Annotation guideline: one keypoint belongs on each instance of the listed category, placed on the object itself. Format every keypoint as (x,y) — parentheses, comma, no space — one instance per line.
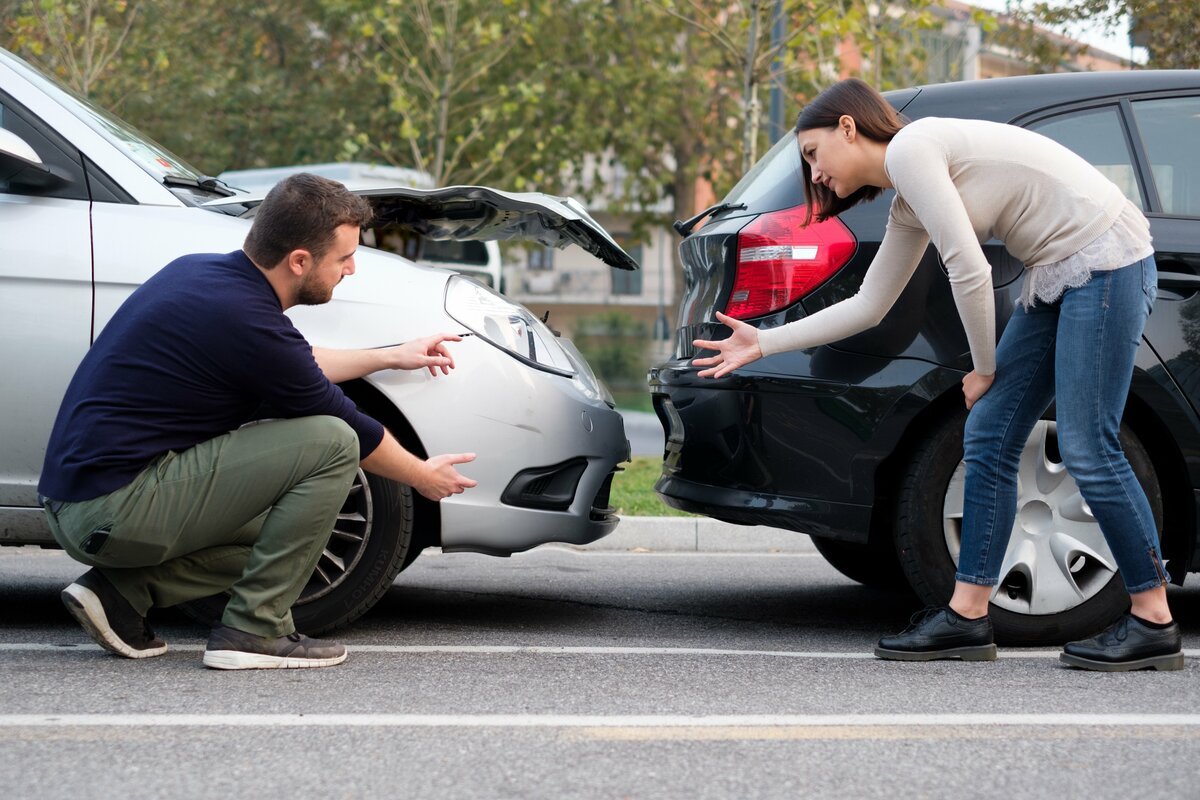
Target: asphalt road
(562,674)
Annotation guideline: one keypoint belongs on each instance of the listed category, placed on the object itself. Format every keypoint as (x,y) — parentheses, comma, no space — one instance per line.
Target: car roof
(1005,99)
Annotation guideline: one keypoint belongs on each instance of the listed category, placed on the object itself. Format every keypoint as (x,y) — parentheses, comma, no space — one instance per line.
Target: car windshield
(151,156)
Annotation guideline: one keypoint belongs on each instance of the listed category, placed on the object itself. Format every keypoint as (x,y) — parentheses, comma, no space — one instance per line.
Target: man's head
(310,225)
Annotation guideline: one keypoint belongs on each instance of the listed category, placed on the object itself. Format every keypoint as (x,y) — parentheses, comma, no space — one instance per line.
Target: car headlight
(515,330)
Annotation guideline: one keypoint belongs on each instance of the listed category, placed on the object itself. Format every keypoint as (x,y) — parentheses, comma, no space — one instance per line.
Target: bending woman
(1090,283)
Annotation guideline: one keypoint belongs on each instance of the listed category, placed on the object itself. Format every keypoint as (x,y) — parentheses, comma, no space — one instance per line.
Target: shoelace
(916,619)
(1119,631)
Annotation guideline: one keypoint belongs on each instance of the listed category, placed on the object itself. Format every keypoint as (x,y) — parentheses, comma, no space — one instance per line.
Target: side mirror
(21,166)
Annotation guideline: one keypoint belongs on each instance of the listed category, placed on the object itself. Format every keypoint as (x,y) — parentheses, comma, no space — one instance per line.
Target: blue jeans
(1078,352)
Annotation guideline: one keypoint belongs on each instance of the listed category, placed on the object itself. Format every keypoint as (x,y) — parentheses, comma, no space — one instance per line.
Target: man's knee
(340,435)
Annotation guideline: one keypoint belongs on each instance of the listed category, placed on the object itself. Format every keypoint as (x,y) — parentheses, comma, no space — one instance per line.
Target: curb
(699,535)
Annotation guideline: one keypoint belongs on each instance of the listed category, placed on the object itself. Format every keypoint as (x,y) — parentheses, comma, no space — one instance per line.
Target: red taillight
(779,261)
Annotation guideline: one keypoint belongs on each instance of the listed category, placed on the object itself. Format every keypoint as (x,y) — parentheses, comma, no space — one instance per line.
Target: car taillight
(779,260)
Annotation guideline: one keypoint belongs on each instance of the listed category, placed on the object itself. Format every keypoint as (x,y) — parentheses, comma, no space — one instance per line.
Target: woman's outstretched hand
(738,350)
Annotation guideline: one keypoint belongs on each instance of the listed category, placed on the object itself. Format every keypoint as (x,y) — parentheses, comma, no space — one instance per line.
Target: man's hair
(302,212)
(874,118)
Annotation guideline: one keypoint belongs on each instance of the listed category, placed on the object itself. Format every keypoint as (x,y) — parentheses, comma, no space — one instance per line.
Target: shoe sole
(977,653)
(1172,661)
(236,659)
(88,611)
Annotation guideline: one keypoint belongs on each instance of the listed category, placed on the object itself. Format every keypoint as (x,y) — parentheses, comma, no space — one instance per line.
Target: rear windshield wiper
(685,228)
(205,182)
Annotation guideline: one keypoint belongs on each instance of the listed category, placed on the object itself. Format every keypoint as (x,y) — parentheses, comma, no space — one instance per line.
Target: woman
(1089,286)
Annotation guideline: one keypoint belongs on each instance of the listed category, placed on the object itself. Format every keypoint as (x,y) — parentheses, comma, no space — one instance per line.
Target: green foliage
(521,94)
(633,490)
(1167,28)
(615,345)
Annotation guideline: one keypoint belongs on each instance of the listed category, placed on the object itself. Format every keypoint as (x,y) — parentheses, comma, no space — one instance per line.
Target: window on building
(1097,135)
(626,282)
(541,258)
(1170,129)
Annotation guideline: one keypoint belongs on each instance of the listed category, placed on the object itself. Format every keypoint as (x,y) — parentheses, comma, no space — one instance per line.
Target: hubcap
(1057,557)
(346,542)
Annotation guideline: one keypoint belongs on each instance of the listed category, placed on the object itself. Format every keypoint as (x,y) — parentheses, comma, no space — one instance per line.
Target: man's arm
(428,352)
(434,478)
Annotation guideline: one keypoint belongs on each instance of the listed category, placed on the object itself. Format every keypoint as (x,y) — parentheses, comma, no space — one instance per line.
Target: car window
(1170,130)
(1097,135)
(775,182)
(472,253)
(51,149)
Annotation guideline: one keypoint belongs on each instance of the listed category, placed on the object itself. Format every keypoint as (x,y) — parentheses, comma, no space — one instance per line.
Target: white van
(479,260)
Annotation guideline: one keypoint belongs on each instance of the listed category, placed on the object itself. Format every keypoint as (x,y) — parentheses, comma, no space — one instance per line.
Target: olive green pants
(249,512)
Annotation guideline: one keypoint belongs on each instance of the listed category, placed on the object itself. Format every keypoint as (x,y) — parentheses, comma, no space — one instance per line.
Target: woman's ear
(847,127)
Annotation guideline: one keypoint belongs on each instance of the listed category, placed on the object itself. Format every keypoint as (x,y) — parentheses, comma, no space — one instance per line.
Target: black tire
(926,559)
(372,539)
(873,564)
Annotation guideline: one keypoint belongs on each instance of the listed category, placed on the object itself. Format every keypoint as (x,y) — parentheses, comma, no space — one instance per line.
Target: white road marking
(418,649)
(595,721)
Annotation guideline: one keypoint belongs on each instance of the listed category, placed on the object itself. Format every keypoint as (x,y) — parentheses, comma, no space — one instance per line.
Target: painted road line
(661,721)
(417,649)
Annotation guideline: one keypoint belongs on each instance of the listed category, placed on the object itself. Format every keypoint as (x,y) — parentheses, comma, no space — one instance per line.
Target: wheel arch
(1179,524)
(1178,534)
(427,522)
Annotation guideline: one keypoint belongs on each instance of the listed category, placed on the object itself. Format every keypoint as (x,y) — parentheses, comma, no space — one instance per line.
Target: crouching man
(151,480)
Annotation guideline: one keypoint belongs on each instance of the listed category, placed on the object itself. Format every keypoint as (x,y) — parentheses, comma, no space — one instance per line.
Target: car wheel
(1059,580)
(371,541)
(872,564)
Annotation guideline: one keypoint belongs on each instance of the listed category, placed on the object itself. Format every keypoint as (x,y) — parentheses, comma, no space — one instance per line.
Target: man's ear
(297,262)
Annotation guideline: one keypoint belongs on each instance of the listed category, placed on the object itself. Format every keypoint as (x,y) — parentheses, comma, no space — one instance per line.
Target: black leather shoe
(937,633)
(1127,645)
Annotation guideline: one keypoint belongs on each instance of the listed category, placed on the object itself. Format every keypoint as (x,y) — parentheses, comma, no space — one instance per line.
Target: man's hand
(428,352)
(739,349)
(975,386)
(438,477)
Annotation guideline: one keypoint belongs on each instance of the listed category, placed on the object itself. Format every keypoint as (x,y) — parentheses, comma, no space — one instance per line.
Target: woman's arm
(889,273)
(919,169)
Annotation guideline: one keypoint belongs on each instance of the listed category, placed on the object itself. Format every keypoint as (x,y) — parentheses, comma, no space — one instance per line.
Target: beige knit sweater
(959,183)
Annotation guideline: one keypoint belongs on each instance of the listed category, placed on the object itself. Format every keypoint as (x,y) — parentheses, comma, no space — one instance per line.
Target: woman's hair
(874,118)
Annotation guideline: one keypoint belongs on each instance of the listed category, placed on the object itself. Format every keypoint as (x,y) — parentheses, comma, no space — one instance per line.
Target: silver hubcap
(346,542)
(1057,558)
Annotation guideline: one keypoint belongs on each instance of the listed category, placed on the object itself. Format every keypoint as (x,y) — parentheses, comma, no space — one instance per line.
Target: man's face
(316,287)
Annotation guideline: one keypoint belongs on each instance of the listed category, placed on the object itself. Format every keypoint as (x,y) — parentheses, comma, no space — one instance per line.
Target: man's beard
(312,293)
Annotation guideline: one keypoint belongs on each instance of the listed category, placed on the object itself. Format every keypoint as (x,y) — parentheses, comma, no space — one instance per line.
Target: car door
(45,298)
(1168,129)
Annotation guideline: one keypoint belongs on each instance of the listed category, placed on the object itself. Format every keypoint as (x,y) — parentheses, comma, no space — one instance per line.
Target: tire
(872,564)
(928,530)
(371,542)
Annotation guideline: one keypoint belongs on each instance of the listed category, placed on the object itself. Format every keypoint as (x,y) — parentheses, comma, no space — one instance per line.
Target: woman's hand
(975,386)
(739,349)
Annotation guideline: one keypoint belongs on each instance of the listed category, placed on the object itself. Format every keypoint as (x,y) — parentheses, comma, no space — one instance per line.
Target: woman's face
(832,157)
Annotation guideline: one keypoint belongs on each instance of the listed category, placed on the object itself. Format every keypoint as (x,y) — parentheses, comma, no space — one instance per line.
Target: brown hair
(874,118)
(302,212)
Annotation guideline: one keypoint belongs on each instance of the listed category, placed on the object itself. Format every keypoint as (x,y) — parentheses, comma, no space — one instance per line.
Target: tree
(1165,27)
(463,91)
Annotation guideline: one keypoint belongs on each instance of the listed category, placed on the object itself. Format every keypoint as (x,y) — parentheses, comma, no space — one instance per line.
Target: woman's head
(834,133)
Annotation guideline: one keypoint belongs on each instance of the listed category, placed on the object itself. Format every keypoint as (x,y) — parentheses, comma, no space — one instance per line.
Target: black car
(859,443)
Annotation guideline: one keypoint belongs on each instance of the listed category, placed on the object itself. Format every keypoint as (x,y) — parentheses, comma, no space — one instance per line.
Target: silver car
(89,209)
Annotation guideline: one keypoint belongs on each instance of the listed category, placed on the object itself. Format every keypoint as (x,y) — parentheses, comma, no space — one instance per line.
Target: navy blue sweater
(194,353)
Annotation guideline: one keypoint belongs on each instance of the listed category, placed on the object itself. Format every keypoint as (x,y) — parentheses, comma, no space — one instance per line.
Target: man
(149,477)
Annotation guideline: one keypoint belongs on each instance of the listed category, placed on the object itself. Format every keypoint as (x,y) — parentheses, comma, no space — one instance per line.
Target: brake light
(779,261)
